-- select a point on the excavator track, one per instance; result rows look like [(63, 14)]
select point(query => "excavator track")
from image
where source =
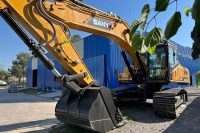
[(166, 103)]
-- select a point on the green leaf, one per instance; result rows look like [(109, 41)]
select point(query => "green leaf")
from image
[(153, 38), (196, 11), (144, 16), (134, 27), (161, 5), (152, 49), (136, 42), (187, 11), (173, 25)]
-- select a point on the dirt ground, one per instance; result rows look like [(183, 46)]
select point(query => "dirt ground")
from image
[(23, 113)]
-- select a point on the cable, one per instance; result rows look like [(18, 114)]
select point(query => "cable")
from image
[(42, 12), (54, 31)]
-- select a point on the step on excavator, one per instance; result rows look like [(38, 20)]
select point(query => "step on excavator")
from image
[(83, 103)]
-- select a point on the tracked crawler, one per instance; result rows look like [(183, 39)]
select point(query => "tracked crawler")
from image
[(83, 103), (166, 103), (162, 68)]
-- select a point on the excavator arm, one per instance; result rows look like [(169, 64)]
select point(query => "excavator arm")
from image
[(47, 25), (82, 103), (25, 13), (85, 18)]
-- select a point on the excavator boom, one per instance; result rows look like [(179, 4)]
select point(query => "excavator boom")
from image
[(75, 16), (83, 103)]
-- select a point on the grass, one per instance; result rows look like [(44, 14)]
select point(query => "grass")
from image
[(32, 91)]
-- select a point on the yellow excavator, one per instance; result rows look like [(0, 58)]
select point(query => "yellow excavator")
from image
[(83, 103)]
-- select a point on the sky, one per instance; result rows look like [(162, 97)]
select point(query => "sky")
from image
[(129, 10)]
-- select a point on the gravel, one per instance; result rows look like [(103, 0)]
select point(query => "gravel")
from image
[(141, 118), (28, 113)]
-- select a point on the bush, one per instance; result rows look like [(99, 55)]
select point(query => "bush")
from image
[(198, 78)]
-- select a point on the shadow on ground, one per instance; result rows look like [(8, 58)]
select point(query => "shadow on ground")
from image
[(31, 124), (188, 121), (62, 128)]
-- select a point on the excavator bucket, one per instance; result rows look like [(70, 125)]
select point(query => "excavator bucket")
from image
[(94, 110)]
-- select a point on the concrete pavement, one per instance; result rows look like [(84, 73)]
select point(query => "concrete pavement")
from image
[(25, 113)]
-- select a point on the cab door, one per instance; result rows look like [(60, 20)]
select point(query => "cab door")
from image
[(174, 69)]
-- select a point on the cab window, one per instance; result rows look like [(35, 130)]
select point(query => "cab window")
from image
[(157, 64), (172, 57), (158, 59)]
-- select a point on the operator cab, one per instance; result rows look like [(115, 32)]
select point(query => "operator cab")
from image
[(162, 61), (164, 66), (157, 63), (161, 67)]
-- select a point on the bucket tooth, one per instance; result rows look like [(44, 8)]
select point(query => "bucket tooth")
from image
[(94, 110)]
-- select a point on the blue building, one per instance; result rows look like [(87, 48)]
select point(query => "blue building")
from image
[(103, 58)]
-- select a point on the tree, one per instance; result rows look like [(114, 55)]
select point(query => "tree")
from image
[(18, 68), (196, 45), (75, 38), (144, 43), (198, 78), (2, 74)]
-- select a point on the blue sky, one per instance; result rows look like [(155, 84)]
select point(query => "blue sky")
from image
[(129, 10)]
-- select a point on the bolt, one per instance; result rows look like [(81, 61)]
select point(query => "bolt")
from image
[(51, 7)]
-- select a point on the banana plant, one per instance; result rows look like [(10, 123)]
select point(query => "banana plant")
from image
[(147, 43), (141, 42)]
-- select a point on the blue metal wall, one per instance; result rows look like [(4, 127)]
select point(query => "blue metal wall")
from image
[(29, 74), (103, 58), (96, 65), (41, 76), (46, 77), (96, 45)]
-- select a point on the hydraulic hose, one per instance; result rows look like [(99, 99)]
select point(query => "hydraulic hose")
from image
[(48, 18)]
